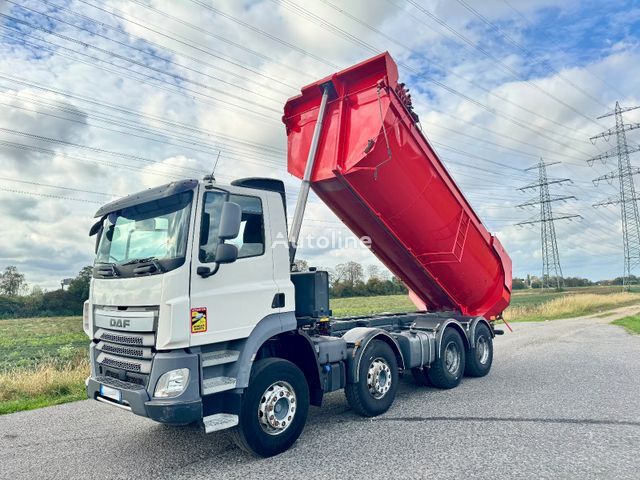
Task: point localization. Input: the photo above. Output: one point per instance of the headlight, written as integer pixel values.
(172, 383)
(85, 317)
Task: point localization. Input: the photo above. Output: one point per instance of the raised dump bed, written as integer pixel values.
(376, 170)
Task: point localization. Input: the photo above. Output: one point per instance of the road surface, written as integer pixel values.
(562, 401)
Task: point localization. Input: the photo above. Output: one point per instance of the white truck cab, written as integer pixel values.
(194, 315)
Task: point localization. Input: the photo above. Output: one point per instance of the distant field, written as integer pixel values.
(352, 306)
(526, 305)
(43, 361)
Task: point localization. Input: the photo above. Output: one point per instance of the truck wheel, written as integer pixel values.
(274, 408)
(447, 370)
(376, 388)
(480, 358)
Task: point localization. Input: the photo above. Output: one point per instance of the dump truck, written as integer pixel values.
(196, 314)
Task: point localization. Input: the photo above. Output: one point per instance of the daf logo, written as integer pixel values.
(119, 322)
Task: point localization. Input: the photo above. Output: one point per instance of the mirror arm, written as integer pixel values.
(206, 272)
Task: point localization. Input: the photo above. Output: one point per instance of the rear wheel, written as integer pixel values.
(377, 383)
(274, 408)
(447, 370)
(479, 359)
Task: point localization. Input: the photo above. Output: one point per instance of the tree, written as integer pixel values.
(518, 283)
(12, 282)
(300, 265)
(349, 273)
(373, 272)
(79, 286)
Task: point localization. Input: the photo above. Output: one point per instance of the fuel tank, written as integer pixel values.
(375, 169)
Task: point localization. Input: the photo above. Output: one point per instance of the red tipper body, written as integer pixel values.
(396, 191)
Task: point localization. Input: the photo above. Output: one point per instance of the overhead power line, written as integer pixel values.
(133, 61)
(528, 53)
(171, 125)
(137, 158)
(526, 126)
(559, 48)
(496, 60)
(181, 40)
(124, 72)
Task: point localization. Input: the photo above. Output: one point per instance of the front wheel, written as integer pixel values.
(377, 383)
(274, 408)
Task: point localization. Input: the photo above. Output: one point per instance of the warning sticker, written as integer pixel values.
(198, 320)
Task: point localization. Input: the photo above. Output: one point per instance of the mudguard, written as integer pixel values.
(357, 340)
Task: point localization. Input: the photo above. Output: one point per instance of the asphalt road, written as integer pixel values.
(562, 401)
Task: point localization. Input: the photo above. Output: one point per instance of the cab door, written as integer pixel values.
(228, 304)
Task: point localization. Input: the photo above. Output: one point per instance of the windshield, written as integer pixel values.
(153, 230)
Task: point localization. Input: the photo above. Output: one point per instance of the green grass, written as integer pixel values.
(526, 305)
(29, 342)
(631, 324)
(353, 306)
(31, 403)
(43, 361)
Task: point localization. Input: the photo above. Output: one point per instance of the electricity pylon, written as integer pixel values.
(546, 219)
(627, 198)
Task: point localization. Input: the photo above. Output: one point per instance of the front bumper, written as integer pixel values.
(185, 408)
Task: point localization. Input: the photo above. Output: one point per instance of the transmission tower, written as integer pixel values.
(627, 197)
(546, 219)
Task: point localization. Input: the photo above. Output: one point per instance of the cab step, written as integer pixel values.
(219, 358)
(219, 421)
(217, 384)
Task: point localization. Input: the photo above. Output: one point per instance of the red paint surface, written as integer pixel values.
(421, 226)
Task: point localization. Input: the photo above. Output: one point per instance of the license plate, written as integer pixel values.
(111, 393)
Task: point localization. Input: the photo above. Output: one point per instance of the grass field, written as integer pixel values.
(43, 361)
(528, 305)
(632, 323)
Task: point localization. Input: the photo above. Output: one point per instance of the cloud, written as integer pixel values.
(216, 85)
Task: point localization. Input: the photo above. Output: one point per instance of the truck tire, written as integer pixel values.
(274, 408)
(447, 370)
(480, 358)
(377, 383)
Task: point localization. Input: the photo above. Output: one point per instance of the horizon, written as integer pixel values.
(103, 100)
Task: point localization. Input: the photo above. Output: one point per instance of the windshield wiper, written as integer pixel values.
(152, 260)
(106, 269)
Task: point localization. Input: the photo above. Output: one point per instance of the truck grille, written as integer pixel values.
(124, 365)
(124, 355)
(122, 350)
(124, 339)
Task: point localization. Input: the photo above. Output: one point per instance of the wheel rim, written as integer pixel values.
(277, 408)
(452, 358)
(379, 378)
(482, 350)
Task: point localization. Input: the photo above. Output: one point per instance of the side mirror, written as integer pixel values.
(226, 253)
(96, 227)
(230, 220)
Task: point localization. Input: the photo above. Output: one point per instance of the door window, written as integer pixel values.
(250, 240)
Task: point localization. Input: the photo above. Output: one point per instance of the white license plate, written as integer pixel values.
(111, 393)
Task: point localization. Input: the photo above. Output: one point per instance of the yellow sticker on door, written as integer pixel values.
(198, 320)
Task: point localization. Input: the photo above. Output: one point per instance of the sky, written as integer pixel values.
(100, 99)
